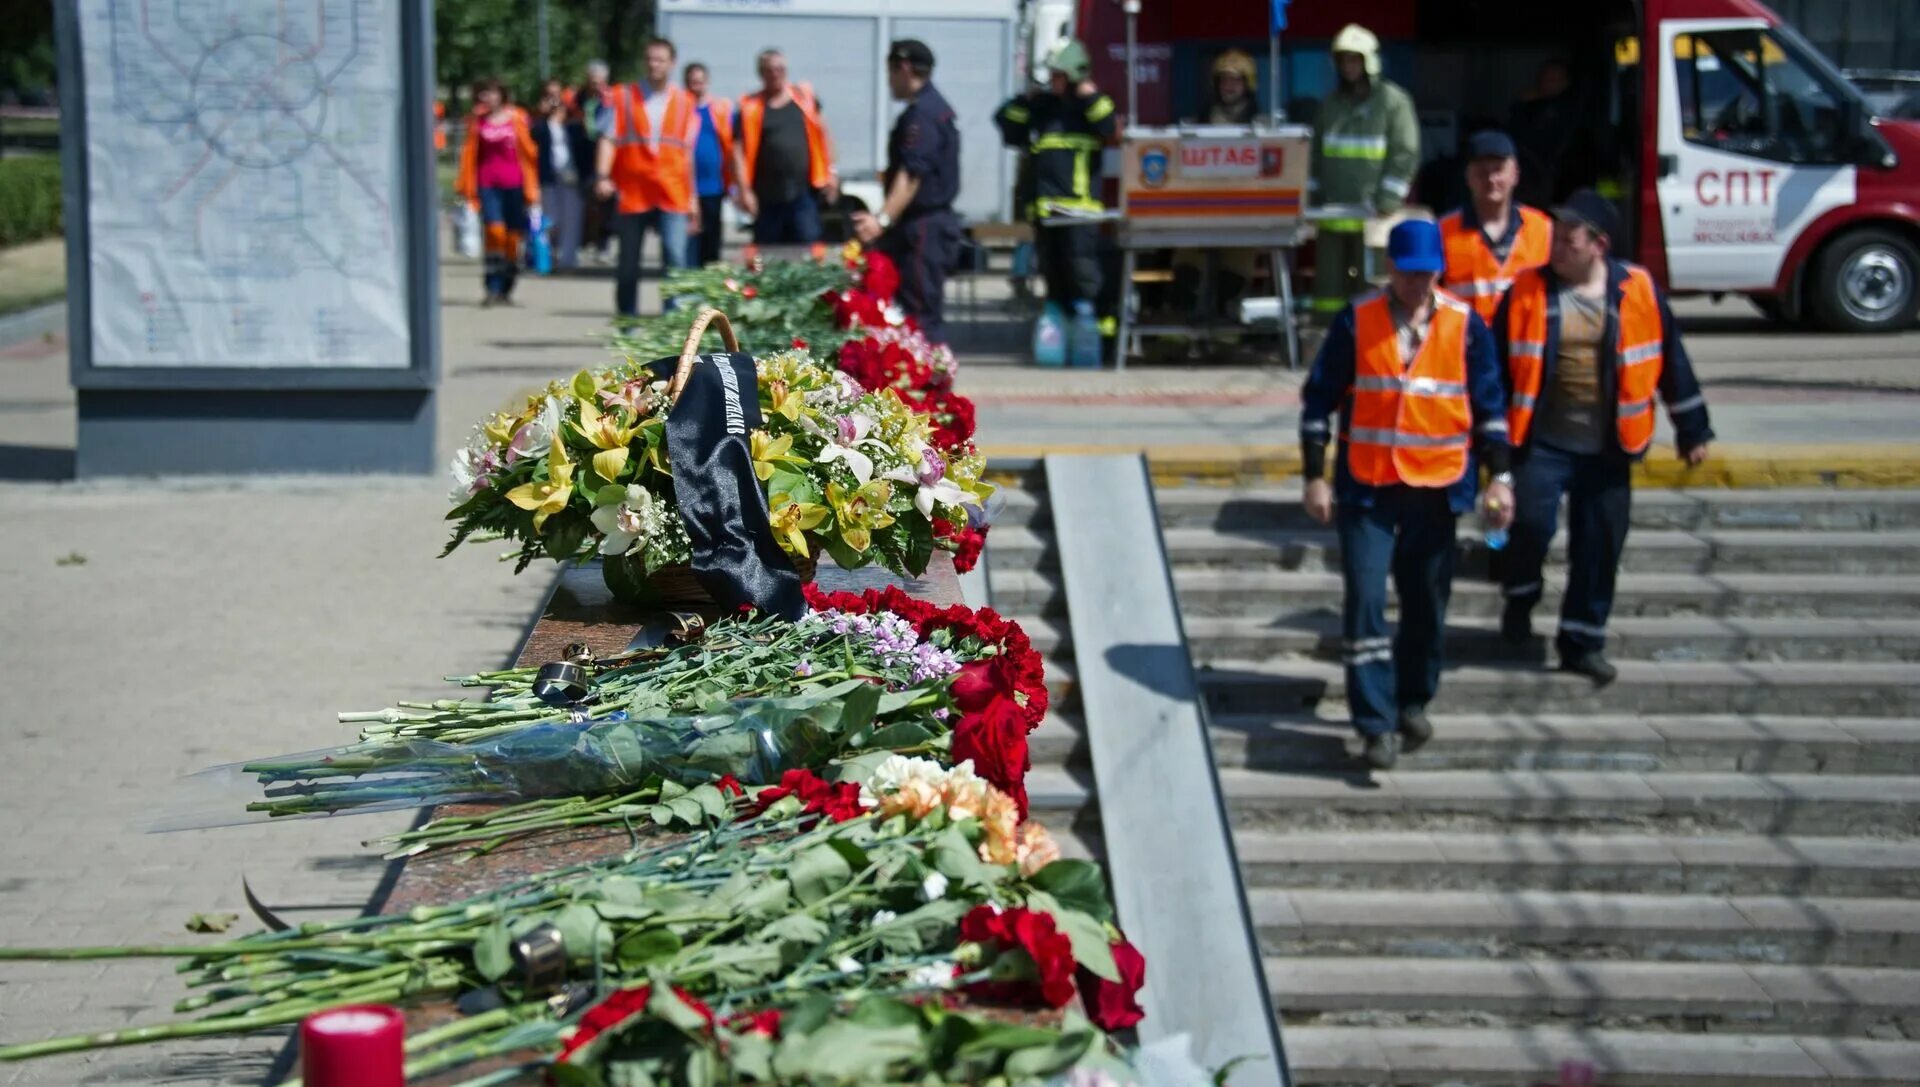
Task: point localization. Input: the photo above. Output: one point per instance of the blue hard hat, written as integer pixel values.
(1414, 246)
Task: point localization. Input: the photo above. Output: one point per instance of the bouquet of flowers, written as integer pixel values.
(583, 468)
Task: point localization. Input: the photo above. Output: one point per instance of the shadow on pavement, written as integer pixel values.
(35, 463)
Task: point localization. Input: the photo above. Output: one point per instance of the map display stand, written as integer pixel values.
(250, 222)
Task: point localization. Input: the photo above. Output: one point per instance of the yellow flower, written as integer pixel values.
(791, 520)
(769, 451)
(500, 427)
(850, 251)
(606, 433)
(549, 498)
(784, 400)
(860, 511)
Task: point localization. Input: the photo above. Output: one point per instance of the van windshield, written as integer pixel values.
(1761, 92)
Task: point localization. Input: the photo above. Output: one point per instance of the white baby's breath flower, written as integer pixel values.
(847, 964)
(934, 887)
(881, 917)
(937, 975)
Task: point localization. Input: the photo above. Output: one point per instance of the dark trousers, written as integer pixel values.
(504, 213)
(1408, 530)
(1069, 262)
(631, 229)
(1599, 492)
(925, 247)
(704, 248)
(796, 222)
(597, 220)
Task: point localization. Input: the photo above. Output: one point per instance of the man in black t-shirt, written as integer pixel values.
(783, 157)
(916, 226)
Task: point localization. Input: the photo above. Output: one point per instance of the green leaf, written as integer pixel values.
(713, 802)
(610, 495)
(955, 857)
(211, 922)
(587, 936)
(687, 810)
(880, 1011)
(665, 1004)
(767, 898)
(643, 947)
(1078, 885)
(493, 953)
(795, 485)
(796, 928)
(991, 1037)
(817, 873)
(843, 1050)
(583, 384)
(1091, 948)
(1044, 1061)
(739, 965)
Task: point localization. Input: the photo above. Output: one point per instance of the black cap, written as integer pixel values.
(913, 53)
(1591, 210)
(1490, 143)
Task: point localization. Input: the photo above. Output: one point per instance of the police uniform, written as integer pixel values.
(925, 240)
(1409, 427)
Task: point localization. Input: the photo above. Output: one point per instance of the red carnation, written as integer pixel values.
(1029, 933)
(818, 796)
(615, 1011)
(856, 309)
(882, 278)
(730, 786)
(996, 740)
(799, 343)
(765, 1022)
(1115, 1005)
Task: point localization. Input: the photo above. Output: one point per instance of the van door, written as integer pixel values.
(1752, 149)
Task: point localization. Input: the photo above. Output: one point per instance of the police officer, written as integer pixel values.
(916, 225)
(1064, 129)
(1587, 341)
(1414, 376)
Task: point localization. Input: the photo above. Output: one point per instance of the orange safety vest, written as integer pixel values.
(753, 111)
(1474, 275)
(722, 111)
(1637, 356)
(1410, 424)
(653, 170)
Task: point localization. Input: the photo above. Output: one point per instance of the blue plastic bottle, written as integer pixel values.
(540, 254)
(1083, 342)
(1050, 337)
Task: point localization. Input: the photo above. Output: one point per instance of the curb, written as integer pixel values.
(33, 323)
(1844, 466)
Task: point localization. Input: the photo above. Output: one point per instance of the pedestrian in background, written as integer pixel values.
(1586, 342)
(916, 225)
(596, 227)
(1413, 374)
(566, 155)
(645, 160)
(712, 164)
(500, 177)
(1366, 147)
(1494, 237)
(783, 157)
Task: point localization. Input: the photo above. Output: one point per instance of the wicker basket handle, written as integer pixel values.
(690, 354)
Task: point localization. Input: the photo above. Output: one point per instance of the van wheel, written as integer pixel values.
(1867, 281)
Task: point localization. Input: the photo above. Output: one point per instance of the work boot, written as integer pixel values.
(1590, 663)
(1415, 728)
(1516, 623)
(1383, 750)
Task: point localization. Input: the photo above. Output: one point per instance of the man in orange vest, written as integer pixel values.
(712, 163)
(1412, 373)
(1587, 342)
(1494, 238)
(783, 157)
(647, 135)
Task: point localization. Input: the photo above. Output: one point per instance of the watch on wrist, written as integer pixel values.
(885, 220)
(1505, 479)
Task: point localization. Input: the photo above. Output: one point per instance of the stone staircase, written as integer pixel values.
(1706, 873)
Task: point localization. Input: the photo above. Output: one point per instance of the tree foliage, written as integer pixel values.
(474, 39)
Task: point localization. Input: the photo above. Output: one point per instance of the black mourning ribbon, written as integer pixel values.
(735, 555)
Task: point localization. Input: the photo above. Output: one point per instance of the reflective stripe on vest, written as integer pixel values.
(1409, 424)
(1637, 357)
(753, 112)
(1474, 274)
(1368, 148)
(654, 170)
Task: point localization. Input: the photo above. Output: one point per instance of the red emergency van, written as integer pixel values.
(1743, 161)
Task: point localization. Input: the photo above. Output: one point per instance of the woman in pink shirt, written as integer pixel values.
(499, 176)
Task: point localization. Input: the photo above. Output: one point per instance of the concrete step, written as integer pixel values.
(1877, 932)
(1750, 998)
(1717, 551)
(1477, 638)
(1718, 743)
(1482, 800)
(1285, 595)
(1278, 506)
(1798, 688)
(1380, 1053)
(1556, 859)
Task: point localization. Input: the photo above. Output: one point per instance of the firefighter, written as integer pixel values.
(916, 225)
(1064, 129)
(1494, 237)
(1413, 374)
(1366, 147)
(1587, 341)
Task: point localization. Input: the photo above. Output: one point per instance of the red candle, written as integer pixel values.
(357, 1046)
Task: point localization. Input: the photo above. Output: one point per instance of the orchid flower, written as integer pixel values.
(632, 520)
(846, 446)
(605, 432)
(931, 481)
(860, 511)
(792, 520)
(770, 452)
(548, 498)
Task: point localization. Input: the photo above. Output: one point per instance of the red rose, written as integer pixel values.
(882, 278)
(996, 740)
(979, 683)
(1020, 931)
(1115, 1005)
(749, 291)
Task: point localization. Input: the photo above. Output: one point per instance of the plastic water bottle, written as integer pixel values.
(1083, 342)
(540, 253)
(1496, 539)
(1050, 337)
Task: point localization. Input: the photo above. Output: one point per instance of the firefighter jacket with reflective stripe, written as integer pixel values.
(1405, 422)
(1064, 138)
(1365, 150)
(753, 114)
(1474, 273)
(1641, 354)
(652, 170)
